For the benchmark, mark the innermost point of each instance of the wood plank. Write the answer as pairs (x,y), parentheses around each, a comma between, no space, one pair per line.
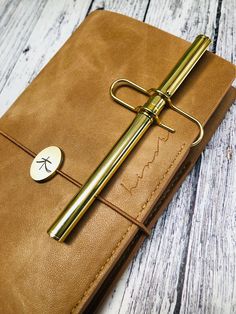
(133,8)
(210,283)
(28,42)
(16,26)
(185,19)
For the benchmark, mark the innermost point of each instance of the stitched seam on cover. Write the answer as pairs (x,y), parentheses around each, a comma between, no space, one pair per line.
(160,201)
(128,229)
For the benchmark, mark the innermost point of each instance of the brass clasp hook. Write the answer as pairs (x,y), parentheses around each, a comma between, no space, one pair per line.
(124,82)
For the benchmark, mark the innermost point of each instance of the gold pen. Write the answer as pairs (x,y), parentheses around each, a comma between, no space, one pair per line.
(146,115)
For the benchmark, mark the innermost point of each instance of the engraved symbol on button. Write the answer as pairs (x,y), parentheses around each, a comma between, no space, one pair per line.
(46,163)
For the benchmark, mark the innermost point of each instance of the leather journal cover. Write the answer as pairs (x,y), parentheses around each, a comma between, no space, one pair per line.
(68,105)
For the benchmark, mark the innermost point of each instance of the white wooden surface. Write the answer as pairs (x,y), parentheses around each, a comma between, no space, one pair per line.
(188,265)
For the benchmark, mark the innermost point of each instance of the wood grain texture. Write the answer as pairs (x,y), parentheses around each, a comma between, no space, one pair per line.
(33,31)
(133,8)
(16,24)
(210,276)
(188,265)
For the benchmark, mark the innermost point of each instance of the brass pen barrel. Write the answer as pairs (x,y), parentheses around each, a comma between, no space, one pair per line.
(78,206)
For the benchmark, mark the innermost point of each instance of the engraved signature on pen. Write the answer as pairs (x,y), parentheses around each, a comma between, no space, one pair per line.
(44,162)
(147,165)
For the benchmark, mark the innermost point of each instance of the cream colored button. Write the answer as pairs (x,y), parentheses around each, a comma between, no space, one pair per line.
(46,163)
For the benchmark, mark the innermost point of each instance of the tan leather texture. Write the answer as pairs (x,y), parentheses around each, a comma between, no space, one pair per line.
(68,105)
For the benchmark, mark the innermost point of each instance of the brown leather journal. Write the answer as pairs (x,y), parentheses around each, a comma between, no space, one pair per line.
(68,105)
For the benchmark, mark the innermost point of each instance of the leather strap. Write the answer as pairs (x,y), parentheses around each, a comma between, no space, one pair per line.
(78,184)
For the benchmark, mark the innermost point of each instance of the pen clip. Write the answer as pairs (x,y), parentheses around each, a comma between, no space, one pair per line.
(124,82)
